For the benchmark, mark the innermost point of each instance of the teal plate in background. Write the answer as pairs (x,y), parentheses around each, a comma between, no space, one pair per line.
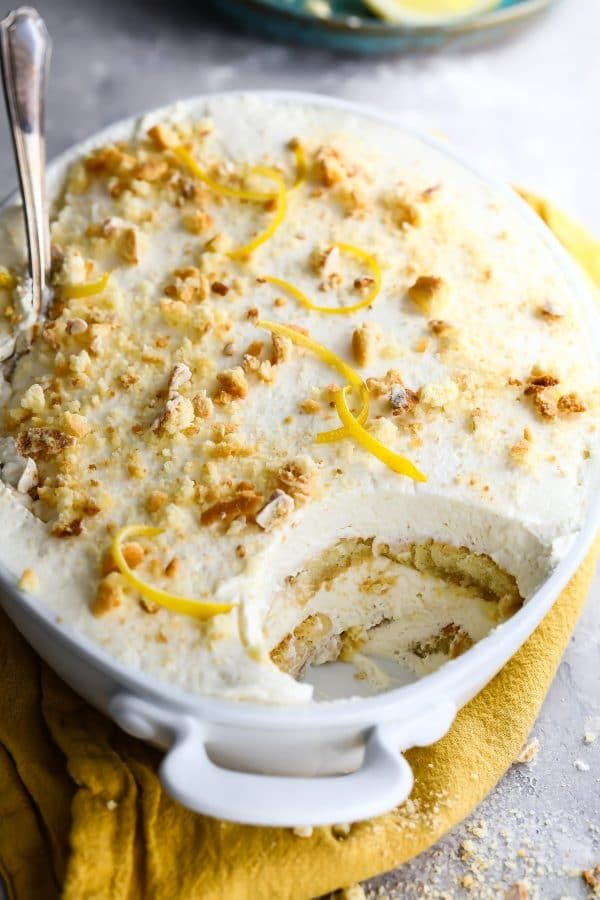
(353,28)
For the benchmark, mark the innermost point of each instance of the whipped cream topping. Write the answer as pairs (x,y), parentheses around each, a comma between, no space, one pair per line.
(152,402)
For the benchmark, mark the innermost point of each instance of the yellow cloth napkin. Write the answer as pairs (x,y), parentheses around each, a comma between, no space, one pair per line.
(83,815)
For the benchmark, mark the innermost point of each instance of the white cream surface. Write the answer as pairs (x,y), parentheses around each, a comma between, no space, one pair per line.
(499,271)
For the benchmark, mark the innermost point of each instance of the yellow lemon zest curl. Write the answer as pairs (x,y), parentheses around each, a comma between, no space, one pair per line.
(352,425)
(280,196)
(276,221)
(185,606)
(301,297)
(184,156)
(85,289)
(301,165)
(331,359)
(393,460)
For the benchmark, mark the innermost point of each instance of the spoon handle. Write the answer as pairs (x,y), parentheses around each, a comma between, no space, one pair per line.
(24,56)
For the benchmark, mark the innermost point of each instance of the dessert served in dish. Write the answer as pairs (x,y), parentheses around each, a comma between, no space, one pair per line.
(309,390)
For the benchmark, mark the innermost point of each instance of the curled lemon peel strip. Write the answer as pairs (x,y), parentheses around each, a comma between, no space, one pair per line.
(276,221)
(86,289)
(184,156)
(392,460)
(280,196)
(185,606)
(298,295)
(331,359)
(301,166)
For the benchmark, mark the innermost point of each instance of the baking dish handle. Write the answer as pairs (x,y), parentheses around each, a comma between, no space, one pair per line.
(189,775)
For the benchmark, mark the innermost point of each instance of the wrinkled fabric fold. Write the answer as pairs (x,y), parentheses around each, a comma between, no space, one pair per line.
(83,815)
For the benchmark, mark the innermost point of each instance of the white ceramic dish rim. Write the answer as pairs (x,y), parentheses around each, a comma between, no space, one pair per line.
(454,678)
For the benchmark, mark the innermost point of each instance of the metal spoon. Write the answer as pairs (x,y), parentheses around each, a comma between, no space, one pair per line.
(24,57)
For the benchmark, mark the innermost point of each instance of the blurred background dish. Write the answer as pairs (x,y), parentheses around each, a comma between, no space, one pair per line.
(350,25)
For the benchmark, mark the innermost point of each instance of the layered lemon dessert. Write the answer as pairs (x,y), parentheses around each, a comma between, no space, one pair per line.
(308,390)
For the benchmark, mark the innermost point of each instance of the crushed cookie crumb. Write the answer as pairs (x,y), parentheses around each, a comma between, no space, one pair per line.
(203,405)
(151,170)
(266,371)
(363,344)
(163,137)
(156,500)
(128,247)
(297,478)
(250,364)
(439,395)
(245,503)
(67,529)
(528,752)
(404,213)
(218,287)
(591,878)
(545,407)
(439,326)
(180,375)
(29,581)
(277,508)
(281,348)
(197,221)
(537,385)
(364,282)
(42,442)
(571,404)
(110,159)
(402,400)
(255,348)
(109,595)
(147,606)
(108,564)
(76,326)
(550,310)
(429,293)
(380,386)
(540,381)
(477,415)
(332,167)
(519,450)
(354,892)
(173,568)
(76,424)
(233,385)
(310,406)
(133,554)
(177,415)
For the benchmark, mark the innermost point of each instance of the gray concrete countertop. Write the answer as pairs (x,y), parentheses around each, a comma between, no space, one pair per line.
(528,110)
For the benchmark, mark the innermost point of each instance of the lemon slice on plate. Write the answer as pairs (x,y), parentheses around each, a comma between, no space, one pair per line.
(428,12)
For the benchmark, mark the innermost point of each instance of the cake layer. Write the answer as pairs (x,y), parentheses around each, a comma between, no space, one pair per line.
(419,605)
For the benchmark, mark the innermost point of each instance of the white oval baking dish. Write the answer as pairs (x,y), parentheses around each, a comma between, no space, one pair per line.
(339,761)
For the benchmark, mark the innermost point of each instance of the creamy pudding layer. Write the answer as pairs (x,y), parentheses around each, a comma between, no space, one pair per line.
(418,604)
(223,272)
